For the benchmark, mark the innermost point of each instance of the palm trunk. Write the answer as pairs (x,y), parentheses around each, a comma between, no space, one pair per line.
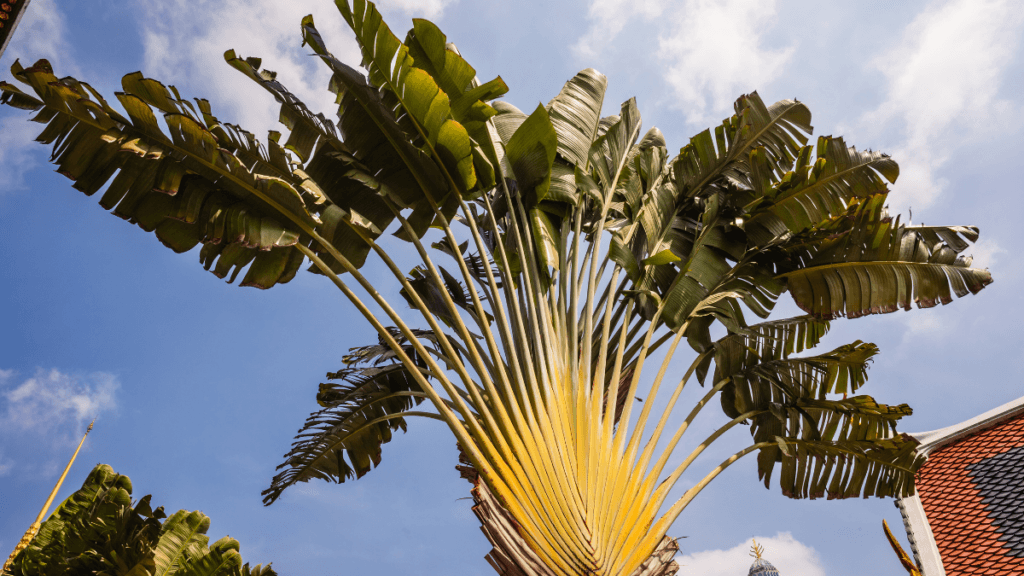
(511,556)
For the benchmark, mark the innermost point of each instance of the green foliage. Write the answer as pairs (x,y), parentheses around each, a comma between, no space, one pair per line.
(100,530)
(847,447)
(343,440)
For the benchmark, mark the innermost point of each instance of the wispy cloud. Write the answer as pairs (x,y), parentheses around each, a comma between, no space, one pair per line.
(40,34)
(715,50)
(186,51)
(6,465)
(18,152)
(52,400)
(608,18)
(181,49)
(923,325)
(944,78)
(417,8)
(710,50)
(986,253)
(782,550)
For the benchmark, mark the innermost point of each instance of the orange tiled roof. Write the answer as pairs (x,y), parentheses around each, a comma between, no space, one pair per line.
(972,492)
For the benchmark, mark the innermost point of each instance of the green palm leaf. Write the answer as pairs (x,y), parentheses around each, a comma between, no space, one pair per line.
(182,536)
(220,559)
(848,445)
(184,188)
(343,440)
(779,130)
(867,263)
(576,114)
(881,468)
(99,530)
(390,65)
(306,129)
(813,193)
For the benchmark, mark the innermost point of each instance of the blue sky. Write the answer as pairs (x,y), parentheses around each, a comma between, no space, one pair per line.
(199,386)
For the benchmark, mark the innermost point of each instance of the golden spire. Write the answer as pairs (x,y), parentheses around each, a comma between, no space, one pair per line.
(903,556)
(34,528)
(756,550)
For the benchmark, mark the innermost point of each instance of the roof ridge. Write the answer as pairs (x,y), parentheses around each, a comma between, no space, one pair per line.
(934,439)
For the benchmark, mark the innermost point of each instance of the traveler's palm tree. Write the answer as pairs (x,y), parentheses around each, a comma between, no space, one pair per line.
(575,247)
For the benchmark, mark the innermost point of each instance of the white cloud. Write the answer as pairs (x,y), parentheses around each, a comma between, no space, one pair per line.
(782,550)
(715,52)
(985,252)
(944,78)
(430,9)
(711,50)
(608,18)
(181,49)
(19,153)
(6,464)
(52,400)
(925,326)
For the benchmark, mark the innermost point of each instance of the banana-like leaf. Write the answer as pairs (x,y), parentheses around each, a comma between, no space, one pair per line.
(377,354)
(695,207)
(531,153)
(847,469)
(708,272)
(780,130)
(343,441)
(306,128)
(432,53)
(474,262)
(612,150)
(220,559)
(849,446)
(576,114)
(756,383)
(182,536)
(432,295)
(258,570)
(99,530)
(408,175)
(391,66)
(813,193)
(958,238)
(507,120)
(764,342)
(187,188)
(360,213)
(867,263)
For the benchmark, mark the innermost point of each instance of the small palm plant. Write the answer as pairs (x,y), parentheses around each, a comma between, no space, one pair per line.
(99,529)
(579,249)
